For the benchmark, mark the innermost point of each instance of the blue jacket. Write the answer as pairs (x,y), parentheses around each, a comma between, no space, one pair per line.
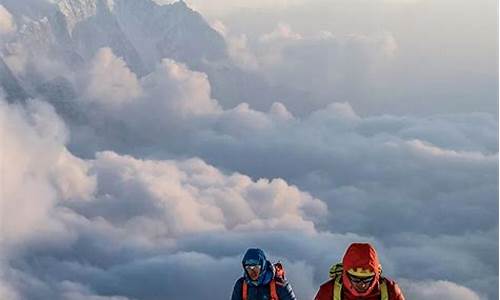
(259,289)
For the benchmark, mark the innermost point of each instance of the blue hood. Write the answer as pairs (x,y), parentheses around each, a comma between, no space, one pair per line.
(257,256)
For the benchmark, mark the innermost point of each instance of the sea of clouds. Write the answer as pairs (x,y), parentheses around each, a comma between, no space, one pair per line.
(151,188)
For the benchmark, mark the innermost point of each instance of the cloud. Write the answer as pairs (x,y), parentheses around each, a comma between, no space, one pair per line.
(160,103)
(222,6)
(118,223)
(179,89)
(338,65)
(245,55)
(98,210)
(76,291)
(347,159)
(325,67)
(435,290)
(120,219)
(7,292)
(191,196)
(240,54)
(378,64)
(282,32)
(110,81)
(171,88)
(7,25)
(35,165)
(379,176)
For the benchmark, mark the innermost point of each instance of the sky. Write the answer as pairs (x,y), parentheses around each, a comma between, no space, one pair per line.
(377,121)
(401,57)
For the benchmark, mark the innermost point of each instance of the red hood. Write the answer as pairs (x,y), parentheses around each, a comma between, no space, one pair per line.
(360,255)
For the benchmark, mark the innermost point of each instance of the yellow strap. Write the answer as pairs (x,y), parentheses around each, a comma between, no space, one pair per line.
(384,295)
(337,289)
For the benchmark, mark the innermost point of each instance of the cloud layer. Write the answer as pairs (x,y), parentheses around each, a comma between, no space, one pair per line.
(382,56)
(113,220)
(133,187)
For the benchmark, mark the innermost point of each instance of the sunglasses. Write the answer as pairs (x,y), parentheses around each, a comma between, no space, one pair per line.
(358,280)
(252,267)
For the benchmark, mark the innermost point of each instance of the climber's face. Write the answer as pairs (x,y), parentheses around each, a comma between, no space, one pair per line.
(253,271)
(361,284)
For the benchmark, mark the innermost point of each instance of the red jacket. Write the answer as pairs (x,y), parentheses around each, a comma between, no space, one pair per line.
(360,255)
(326,292)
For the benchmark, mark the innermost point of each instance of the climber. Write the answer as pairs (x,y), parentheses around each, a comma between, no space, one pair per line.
(359,277)
(261,280)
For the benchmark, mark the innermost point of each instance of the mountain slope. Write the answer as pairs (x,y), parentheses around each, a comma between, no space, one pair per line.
(174,31)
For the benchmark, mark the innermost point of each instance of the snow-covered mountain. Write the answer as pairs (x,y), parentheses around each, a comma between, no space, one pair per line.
(58,38)
(141,32)
(174,31)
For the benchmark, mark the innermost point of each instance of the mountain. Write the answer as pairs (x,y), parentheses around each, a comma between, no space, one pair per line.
(173,30)
(142,32)
(95,26)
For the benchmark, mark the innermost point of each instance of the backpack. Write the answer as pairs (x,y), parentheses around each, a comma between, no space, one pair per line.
(336,274)
(279,276)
